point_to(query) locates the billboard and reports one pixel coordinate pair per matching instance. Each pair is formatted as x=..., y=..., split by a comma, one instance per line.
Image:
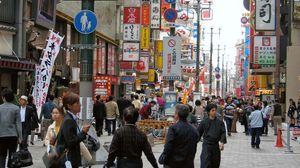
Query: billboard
x=265, y=15
x=171, y=58
x=131, y=51
x=265, y=50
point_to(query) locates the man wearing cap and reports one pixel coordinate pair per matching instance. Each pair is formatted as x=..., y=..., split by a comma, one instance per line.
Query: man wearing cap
x=27, y=118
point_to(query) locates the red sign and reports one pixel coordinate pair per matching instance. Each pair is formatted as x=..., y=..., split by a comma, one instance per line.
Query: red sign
x=146, y=14
x=125, y=65
x=102, y=87
x=131, y=15
x=206, y=14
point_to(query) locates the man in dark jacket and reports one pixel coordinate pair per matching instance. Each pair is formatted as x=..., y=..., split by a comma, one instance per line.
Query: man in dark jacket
x=123, y=103
x=181, y=143
x=99, y=112
x=27, y=120
x=214, y=138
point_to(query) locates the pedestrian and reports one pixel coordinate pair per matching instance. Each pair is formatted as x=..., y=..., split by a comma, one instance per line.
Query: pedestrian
x=256, y=124
x=181, y=143
x=123, y=103
x=128, y=143
x=248, y=110
x=266, y=111
x=277, y=116
x=137, y=103
x=228, y=114
x=161, y=103
x=291, y=112
x=45, y=116
x=27, y=120
x=10, y=127
x=214, y=137
x=199, y=110
x=191, y=118
x=112, y=113
x=69, y=137
x=35, y=125
x=146, y=111
x=99, y=113
x=53, y=130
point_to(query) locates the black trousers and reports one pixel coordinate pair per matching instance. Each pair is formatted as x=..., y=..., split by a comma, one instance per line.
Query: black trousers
x=210, y=156
x=109, y=123
x=7, y=145
x=99, y=125
x=265, y=127
x=255, y=136
x=24, y=143
x=129, y=163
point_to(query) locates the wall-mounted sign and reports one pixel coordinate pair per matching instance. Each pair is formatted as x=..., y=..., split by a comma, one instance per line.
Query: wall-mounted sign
x=131, y=15
x=265, y=15
x=131, y=51
x=145, y=14
x=102, y=86
x=145, y=37
x=265, y=49
x=144, y=61
x=131, y=32
x=155, y=14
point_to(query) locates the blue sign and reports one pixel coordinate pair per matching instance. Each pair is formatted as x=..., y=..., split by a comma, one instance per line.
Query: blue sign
x=170, y=15
x=85, y=22
x=217, y=69
x=170, y=1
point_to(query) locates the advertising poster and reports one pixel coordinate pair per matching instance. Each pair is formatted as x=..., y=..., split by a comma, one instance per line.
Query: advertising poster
x=145, y=62
x=102, y=87
x=265, y=50
x=131, y=51
x=155, y=14
x=170, y=98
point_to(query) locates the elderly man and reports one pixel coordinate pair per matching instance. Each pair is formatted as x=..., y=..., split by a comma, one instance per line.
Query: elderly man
x=181, y=143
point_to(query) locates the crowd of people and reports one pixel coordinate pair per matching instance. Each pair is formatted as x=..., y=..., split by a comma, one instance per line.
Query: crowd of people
x=207, y=120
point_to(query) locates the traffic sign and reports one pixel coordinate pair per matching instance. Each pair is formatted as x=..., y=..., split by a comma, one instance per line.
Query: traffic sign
x=170, y=15
x=217, y=69
x=170, y=1
x=85, y=22
x=218, y=76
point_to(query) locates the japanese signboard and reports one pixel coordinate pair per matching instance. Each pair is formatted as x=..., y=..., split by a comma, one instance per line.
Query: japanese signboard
x=145, y=37
x=151, y=75
x=102, y=87
x=155, y=14
x=35, y=93
x=265, y=15
x=158, y=54
x=144, y=62
x=265, y=49
x=145, y=14
x=171, y=58
x=125, y=65
x=170, y=98
x=131, y=15
x=131, y=32
x=164, y=23
x=49, y=55
x=131, y=51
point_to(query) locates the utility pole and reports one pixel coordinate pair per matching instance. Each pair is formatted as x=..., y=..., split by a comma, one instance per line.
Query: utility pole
x=86, y=61
x=218, y=65
x=198, y=47
x=277, y=65
x=210, y=60
x=226, y=78
x=172, y=33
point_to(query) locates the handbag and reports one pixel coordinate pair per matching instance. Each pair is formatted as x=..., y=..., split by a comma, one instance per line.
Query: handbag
x=22, y=158
x=162, y=159
x=91, y=143
x=49, y=157
x=85, y=152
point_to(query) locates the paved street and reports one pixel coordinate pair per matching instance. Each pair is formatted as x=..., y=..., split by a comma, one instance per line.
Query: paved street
x=237, y=153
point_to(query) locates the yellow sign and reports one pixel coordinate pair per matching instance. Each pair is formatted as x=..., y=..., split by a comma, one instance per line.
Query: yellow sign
x=158, y=54
x=264, y=92
x=151, y=75
x=145, y=37
x=138, y=84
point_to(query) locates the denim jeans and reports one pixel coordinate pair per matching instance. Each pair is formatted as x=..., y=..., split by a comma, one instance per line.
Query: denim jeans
x=228, y=123
x=255, y=136
x=109, y=123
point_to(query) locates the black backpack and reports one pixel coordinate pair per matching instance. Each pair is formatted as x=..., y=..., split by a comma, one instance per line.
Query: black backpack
x=21, y=158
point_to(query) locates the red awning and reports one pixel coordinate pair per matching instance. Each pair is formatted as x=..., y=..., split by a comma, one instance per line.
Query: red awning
x=22, y=65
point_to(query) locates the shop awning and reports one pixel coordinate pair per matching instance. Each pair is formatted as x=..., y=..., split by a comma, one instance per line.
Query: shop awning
x=17, y=65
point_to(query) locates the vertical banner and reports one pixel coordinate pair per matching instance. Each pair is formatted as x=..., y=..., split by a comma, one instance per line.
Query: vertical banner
x=158, y=54
x=145, y=14
x=171, y=58
x=131, y=26
x=145, y=37
x=164, y=23
x=155, y=14
x=49, y=55
x=36, y=89
x=265, y=15
x=151, y=75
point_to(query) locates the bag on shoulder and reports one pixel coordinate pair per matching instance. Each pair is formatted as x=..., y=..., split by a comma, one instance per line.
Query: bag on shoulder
x=92, y=143
x=21, y=158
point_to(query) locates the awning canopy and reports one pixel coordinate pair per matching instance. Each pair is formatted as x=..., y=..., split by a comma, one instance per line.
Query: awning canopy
x=17, y=65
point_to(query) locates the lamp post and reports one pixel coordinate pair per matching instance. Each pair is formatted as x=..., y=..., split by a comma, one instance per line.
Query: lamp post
x=198, y=47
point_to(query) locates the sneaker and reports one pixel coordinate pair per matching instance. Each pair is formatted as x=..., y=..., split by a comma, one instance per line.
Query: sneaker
x=257, y=147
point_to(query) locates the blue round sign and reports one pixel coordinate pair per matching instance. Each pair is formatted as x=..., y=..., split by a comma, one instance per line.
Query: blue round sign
x=85, y=22
x=170, y=1
x=170, y=15
x=217, y=69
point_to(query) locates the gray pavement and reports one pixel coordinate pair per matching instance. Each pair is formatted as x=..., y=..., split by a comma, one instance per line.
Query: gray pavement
x=237, y=154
